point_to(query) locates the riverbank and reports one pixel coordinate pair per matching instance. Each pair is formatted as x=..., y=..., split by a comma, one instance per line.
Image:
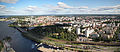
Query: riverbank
x=68, y=44
x=5, y=45
x=30, y=36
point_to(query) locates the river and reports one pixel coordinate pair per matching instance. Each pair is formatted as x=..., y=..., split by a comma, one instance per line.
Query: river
x=18, y=42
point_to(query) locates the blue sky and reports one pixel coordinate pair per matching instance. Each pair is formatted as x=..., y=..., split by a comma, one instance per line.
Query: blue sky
x=40, y=7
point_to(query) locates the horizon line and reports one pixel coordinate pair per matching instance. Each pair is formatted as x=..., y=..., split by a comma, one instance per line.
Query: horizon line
x=56, y=14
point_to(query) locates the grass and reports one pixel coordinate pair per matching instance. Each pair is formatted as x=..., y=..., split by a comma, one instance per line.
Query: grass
x=117, y=50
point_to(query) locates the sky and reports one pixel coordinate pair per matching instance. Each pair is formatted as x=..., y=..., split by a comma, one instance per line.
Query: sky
x=44, y=7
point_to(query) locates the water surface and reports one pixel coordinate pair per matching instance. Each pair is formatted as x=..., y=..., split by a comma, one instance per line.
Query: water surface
x=18, y=42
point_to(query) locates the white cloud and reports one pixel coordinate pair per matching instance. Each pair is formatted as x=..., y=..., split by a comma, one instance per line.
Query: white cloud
x=63, y=5
x=64, y=8
x=32, y=8
x=9, y=1
x=12, y=7
x=82, y=7
x=2, y=6
x=61, y=8
x=2, y=9
x=7, y=10
x=107, y=8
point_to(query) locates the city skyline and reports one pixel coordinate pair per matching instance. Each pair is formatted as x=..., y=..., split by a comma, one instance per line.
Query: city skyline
x=41, y=7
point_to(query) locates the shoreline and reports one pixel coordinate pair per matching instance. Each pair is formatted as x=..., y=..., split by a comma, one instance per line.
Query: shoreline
x=26, y=35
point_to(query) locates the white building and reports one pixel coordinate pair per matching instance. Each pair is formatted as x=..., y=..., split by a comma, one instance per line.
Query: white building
x=94, y=24
x=88, y=32
x=103, y=25
x=78, y=30
x=69, y=29
x=86, y=24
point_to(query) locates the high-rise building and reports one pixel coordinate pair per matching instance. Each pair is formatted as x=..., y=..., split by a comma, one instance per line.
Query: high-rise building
x=94, y=24
x=88, y=32
x=78, y=30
